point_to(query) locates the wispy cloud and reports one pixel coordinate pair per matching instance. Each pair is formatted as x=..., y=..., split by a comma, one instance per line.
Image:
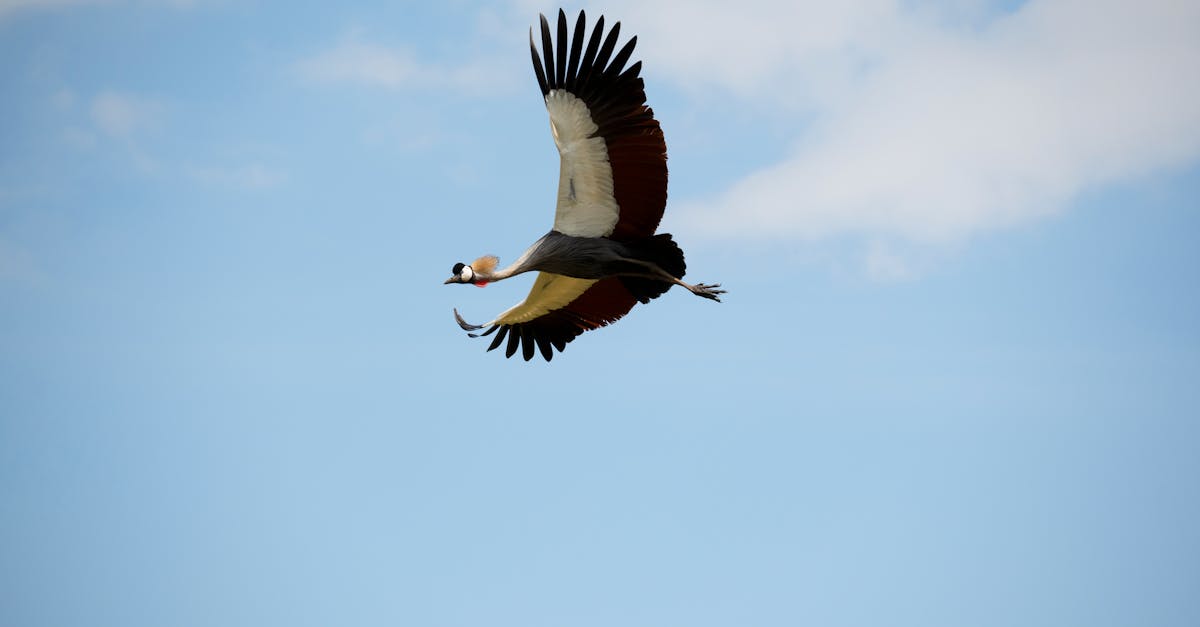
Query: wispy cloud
x=16, y=264
x=8, y=7
x=122, y=115
x=128, y=126
x=248, y=176
x=355, y=61
x=884, y=263
x=932, y=124
x=369, y=64
x=12, y=6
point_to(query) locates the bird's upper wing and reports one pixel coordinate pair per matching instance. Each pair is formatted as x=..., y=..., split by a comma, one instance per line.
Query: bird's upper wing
x=613, y=177
x=558, y=309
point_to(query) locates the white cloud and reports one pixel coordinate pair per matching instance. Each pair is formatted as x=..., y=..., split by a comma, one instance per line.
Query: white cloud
x=359, y=62
x=122, y=115
x=127, y=122
x=931, y=122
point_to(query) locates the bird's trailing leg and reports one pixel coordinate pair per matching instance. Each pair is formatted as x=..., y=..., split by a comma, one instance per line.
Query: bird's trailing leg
x=712, y=292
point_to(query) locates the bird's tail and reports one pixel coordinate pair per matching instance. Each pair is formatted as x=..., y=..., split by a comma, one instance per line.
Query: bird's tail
x=663, y=251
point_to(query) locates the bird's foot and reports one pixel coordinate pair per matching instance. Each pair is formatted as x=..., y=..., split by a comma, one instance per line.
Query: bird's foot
x=707, y=291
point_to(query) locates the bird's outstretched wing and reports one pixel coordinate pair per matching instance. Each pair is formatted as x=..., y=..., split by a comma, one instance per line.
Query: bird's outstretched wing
x=557, y=309
x=613, y=177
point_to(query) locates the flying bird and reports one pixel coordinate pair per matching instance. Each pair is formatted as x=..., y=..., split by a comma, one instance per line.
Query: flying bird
x=602, y=255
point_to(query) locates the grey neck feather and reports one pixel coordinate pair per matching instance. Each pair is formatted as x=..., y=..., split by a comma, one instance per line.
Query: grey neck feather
x=579, y=257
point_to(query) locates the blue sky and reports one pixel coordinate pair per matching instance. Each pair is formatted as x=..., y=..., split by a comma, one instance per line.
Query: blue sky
x=954, y=381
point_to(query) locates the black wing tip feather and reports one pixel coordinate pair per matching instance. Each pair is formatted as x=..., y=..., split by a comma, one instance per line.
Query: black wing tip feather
x=558, y=65
x=619, y=61
x=520, y=336
x=537, y=66
x=547, y=50
x=499, y=338
x=527, y=339
x=576, y=49
x=561, y=57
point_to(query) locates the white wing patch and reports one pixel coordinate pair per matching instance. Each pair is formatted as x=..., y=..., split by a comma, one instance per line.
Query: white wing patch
x=549, y=292
x=586, y=206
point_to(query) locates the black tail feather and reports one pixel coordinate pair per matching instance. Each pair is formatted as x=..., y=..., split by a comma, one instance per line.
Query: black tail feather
x=662, y=250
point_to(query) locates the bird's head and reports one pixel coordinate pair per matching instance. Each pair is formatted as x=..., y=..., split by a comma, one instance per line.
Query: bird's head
x=477, y=273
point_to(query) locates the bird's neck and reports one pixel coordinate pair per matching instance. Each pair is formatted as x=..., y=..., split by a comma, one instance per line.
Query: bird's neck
x=524, y=263
x=503, y=273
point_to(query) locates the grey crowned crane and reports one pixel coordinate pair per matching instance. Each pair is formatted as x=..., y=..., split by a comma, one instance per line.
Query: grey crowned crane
x=602, y=255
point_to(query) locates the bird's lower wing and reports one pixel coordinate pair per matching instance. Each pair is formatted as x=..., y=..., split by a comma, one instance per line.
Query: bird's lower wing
x=549, y=292
x=557, y=310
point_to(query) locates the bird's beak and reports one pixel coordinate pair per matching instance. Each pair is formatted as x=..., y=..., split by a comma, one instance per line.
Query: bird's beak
x=450, y=280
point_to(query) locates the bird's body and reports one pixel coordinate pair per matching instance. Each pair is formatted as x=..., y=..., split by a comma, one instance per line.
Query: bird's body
x=602, y=255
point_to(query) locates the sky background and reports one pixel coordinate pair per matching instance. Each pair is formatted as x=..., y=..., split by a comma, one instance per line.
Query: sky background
x=955, y=381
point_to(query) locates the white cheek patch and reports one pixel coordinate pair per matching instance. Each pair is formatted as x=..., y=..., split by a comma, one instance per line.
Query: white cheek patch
x=467, y=273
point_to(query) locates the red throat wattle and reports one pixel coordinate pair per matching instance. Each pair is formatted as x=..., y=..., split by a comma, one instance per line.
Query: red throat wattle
x=481, y=284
